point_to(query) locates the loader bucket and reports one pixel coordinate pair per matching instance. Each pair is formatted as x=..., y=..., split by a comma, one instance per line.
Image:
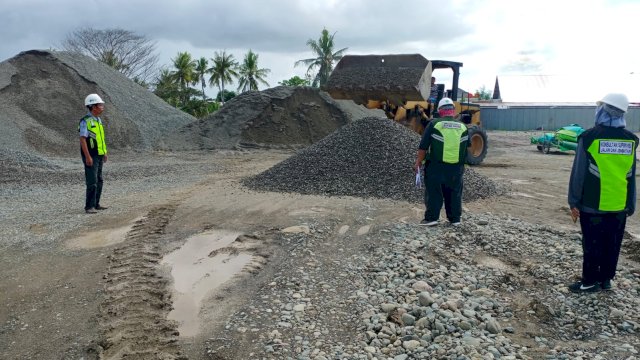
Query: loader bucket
x=392, y=78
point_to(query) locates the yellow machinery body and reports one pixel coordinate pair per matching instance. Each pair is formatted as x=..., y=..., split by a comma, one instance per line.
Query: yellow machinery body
x=396, y=84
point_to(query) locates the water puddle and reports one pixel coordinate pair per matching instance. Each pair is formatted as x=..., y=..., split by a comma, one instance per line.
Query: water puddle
x=101, y=238
x=201, y=265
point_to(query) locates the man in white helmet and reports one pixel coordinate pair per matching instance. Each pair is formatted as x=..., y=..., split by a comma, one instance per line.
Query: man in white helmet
x=93, y=149
x=443, y=149
x=602, y=191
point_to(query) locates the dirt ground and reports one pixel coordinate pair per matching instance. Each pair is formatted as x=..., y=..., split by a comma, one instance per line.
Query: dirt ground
x=63, y=303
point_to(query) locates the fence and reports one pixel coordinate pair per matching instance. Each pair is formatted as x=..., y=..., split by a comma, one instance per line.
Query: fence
x=531, y=117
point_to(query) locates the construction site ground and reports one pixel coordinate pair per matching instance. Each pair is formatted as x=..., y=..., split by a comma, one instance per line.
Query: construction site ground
x=80, y=294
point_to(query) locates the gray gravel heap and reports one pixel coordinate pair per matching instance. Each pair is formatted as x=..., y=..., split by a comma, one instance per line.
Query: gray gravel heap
x=371, y=157
x=280, y=117
x=42, y=100
x=493, y=288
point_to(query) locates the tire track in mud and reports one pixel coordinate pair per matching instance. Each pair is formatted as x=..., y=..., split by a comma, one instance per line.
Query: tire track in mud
x=137, y=298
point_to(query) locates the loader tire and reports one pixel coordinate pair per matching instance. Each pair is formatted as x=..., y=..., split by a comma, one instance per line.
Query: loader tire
x=478, y=145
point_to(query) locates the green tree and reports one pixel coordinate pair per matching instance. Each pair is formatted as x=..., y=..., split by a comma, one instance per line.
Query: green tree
x=325, y=57
x=201, y=74
x=184, y=69
x=295, y=81
x=249, y=73
x=228, y=95
x=196, y=106
x=483, y=93
x=185, y=98
x=167, y=88
x=223, y=70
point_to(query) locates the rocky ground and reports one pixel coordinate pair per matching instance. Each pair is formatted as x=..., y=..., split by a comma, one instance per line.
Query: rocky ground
x=331, y=277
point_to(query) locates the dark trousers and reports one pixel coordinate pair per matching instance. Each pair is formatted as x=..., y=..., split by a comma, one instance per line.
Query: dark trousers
x=601, y=240
x=443, y=184
x=93, y=180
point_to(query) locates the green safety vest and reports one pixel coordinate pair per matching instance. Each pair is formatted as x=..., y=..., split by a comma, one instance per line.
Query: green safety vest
x=96, y=141
x=613, y=163
x=449, y=142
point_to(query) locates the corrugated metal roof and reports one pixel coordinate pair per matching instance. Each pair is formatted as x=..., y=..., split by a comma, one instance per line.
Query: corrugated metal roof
x=536, y=104
x=565, y=88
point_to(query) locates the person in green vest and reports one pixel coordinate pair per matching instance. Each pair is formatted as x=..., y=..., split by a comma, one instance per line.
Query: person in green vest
x=443, y=150
x=602, y=191
x=93, y=149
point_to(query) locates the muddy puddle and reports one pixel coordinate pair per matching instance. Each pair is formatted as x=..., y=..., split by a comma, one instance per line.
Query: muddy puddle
x=101, y=238
x=205, y=262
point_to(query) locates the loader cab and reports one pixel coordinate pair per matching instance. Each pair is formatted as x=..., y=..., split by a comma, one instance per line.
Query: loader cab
x=455, y=68
x=469, y=113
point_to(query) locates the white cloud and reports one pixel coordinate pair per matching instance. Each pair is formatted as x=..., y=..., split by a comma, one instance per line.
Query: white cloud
x=490, y=37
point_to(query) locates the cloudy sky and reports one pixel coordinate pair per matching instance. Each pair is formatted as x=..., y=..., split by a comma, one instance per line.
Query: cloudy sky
x=589, y=39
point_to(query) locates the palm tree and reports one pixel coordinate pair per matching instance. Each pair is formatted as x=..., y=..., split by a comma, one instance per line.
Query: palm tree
x=166, y=87
x=201, y=72
x=325, y=57
x=184, y=73
x=223, y=70
x=250, y=74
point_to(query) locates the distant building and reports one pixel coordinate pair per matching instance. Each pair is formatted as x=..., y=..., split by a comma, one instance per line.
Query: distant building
x=528, y=102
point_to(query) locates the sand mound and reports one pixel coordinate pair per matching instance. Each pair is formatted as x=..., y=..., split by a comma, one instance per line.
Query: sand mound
x=41, y=102
x=280, y=117
x=370, y=157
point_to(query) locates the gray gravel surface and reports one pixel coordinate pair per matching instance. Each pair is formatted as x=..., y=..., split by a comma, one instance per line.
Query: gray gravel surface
x=494, y=288
x=371, y=157
x=62, y=189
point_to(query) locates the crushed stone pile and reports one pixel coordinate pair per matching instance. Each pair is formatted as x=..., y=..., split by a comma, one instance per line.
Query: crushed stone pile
x=370, y=157
x=42, y=100
x=464, y=292
x=280, y=117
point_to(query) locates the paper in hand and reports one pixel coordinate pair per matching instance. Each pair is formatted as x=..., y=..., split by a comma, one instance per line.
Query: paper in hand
x=419, y=182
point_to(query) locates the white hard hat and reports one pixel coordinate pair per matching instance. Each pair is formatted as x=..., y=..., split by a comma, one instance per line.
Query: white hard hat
x=445, y=102
x=617, y=100
x=93, y=99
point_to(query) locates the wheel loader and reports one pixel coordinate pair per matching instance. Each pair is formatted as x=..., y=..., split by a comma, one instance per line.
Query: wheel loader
x=401, y=86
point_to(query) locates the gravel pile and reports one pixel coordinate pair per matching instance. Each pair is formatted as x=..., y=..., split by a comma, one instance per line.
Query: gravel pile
x=42, y=99
x=494, y=288
x=371, y=157
x=280, y=117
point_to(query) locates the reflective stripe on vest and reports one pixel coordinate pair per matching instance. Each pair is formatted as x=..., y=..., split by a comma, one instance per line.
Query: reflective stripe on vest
x=451, y=138
x=614, y=161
